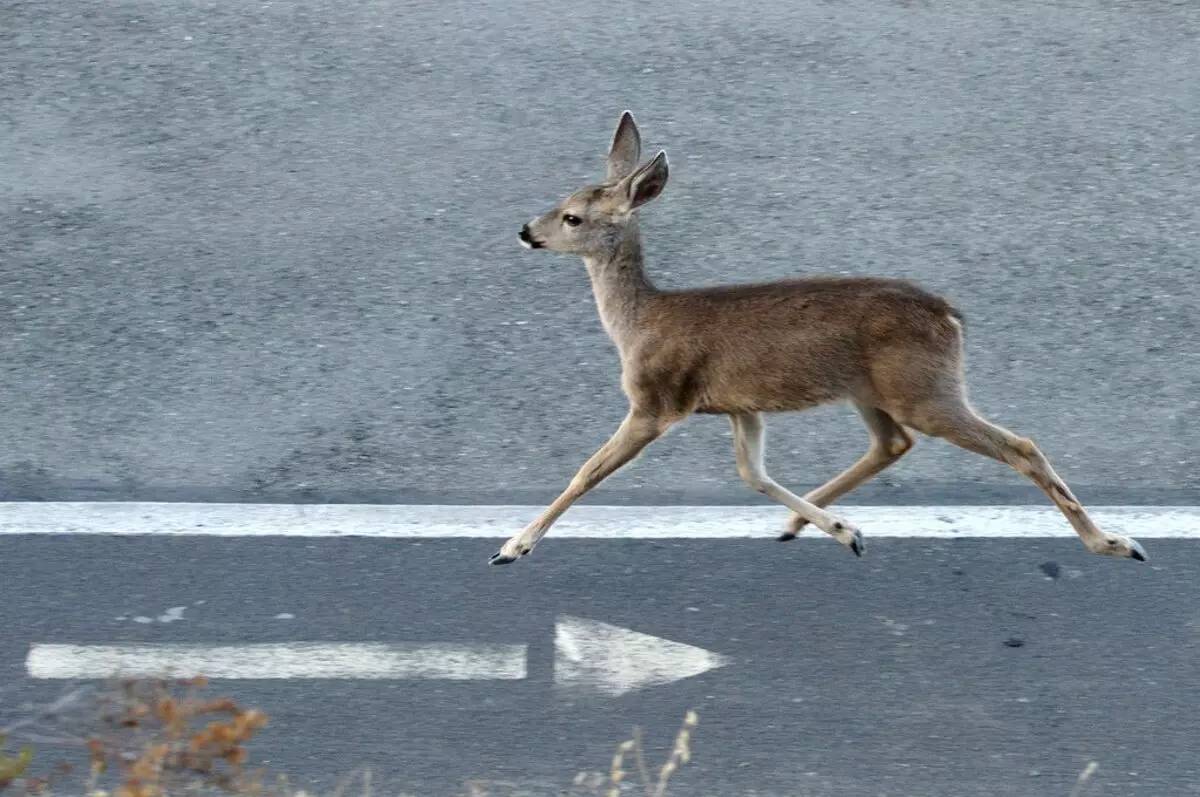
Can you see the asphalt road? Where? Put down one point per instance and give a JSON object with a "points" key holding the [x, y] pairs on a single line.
{"points": [[267, 251], [888, 675]]}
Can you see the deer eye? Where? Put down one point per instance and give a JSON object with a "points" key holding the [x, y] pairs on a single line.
{"points": [[571, 221]]}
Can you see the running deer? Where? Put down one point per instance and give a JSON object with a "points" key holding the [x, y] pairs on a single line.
{"points": [[886, 346]]}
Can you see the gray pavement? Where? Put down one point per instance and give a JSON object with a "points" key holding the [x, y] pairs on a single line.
{"points": [[267, 251], [887, 675]]}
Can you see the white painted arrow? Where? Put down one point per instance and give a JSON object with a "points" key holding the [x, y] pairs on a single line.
{"points": [[595, 656], [589, 656]]}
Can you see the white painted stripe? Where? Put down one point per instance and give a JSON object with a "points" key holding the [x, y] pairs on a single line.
{"points": [[418, 521], [289, 660]]}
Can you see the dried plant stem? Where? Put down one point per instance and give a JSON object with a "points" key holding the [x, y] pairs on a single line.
{"points": [[680, 754], [1084, 777], [640, 757], [617, 770]]}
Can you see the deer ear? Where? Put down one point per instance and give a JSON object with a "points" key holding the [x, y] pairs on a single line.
{"points": [[647, 182], [625, 151]]}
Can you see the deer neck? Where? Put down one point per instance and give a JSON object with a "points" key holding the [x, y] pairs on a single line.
{"points": [[620, 285]]}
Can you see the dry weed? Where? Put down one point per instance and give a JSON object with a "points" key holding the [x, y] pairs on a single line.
{"points": [[611, 785], [154, 738], [1084, 777], [143, 738]]}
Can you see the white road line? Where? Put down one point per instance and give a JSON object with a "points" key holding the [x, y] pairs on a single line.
{"points": [[418, 521], [288, 660]]}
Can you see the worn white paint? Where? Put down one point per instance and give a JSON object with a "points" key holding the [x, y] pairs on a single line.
{"points": [[286, 660], [592, 656], [585, 521], [589, 656]]}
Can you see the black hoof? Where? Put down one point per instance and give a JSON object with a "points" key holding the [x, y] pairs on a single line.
{"points": [[501, 559], [787, 535]]}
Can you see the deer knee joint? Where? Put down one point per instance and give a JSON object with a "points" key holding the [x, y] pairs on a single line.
{"points": [[756, 482], [1026, 446], [893, 447], [901, 444], [758, 486]]}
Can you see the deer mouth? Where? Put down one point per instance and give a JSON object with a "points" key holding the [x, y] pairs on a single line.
{"points": [[527, 240]]}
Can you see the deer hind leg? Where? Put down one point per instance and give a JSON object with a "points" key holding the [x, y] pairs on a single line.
{"points": [[638, 430], [954, 421], [889, 442], [749, 435]]}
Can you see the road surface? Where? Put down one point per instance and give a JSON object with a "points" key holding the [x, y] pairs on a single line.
{"points": [[267, 252], [933, 666]]}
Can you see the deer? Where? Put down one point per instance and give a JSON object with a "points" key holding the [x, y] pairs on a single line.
{"points": [[886, 346]]}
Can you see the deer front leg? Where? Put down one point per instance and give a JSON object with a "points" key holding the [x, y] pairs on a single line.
{"points": [[637, 431], [889, 442], [749, 434]]}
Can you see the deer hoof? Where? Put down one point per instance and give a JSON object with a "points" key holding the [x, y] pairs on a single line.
{"points": [[795, 525], [511, 551], [856, 543], [1119, 547]]}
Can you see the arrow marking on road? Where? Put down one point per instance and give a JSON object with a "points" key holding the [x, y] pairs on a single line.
{"points": [[595, 656], [589, 656]]}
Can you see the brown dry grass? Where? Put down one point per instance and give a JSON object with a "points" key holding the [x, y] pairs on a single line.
{"points": [[155, 738], [158, 737], [141, 738]]}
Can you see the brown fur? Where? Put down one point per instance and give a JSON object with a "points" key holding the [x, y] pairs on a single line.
{"points": [[891, 349], [789, 345]]}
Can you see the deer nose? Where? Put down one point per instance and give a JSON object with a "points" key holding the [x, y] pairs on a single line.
{"points": [[527, 238]]}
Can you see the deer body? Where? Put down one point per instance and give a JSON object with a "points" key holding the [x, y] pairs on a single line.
{"points": [[785, 346], [888, 347]]}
